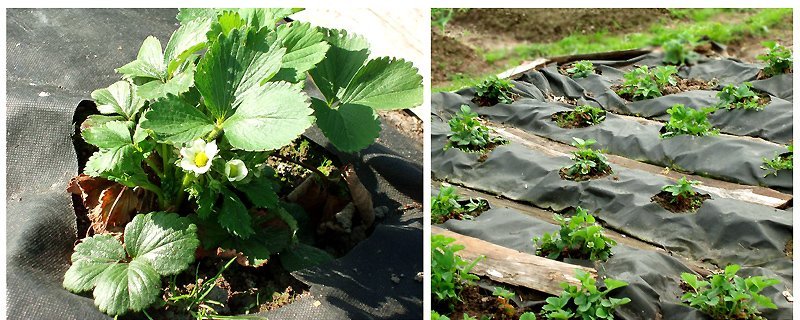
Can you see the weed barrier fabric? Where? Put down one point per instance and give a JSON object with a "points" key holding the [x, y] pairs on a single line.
{"points": [[722, 231], [637, 139], [653, 277], [56, 57]]}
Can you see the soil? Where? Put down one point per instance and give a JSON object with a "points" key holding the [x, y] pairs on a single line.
{"points": [[594, 174], [761, 75], [486, 102], [476, 302], [682, 204], [789, 248], [580, 120], [405, 122], [452, 57]]}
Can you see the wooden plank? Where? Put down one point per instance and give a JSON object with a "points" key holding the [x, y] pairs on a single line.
{"points": [[513, 267], [515, 72]]}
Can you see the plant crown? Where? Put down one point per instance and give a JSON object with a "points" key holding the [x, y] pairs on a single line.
{"points": [[586, 160], [682, 189], [448, 271], [445, 205]]}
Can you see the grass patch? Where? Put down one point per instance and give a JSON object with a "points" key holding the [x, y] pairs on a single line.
{"points": [[717, 24]]}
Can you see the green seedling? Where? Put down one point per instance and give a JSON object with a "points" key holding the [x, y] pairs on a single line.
{"points": [[193, 125], [586, 301], [581, 69], [587, 163], [582, 116], [445, 206], [688, 121], [449, 273], [743, 96], [647, 83], [779, 162], [580, 237], [469, 134], [727, 296], [681, 197], [680, 50], [494, 90], [778, 59]]}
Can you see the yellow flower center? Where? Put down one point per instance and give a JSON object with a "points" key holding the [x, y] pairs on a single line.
{"points": [[200, 159]]}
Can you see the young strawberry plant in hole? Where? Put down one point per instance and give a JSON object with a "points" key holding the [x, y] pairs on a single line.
{"points": [[448, 205], [469, 134], [493, 91], [580, 237], [504, 297], [586, 301], [779, 162], [449, 273], [778, 59], [680, 197], [680, 50], [646, 83], [583, 116], [588, 163], [742, 96], [580, 69], [727, 295], [198, 129], [688, 121]]}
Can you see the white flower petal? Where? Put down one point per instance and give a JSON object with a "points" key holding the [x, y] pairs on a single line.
{"points": [[211, 149], [187, 164]]}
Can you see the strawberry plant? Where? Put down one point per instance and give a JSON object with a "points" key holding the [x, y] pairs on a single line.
{"points": [[447, 205], [493, 91], [588, 163], [469, 134], [504, 297], [448, 271], [580, 69], [779, 162], [743, 96], [190, 129], [778, 59], [580, 237], [585, 302], [728, 296], [680, 50], [688, 121], [580, 117], [647, 83], [680, 197]]}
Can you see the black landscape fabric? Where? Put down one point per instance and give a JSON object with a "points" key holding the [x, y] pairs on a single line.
{"points": [[56, 57]]}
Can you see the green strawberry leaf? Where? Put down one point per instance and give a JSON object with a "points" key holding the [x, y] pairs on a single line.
{"points": [[127, 286], [166, 241], [268, 118], [235, 64], [91, 258], [350, 127], [234, 217], [387, 84], [120, 98], [188, 39], [260, 192], [224, 24], [177, 85], [112, 134], [123, 165], [304, 49], [256, 17], [174, 121], [149, 62], [346, 55]]}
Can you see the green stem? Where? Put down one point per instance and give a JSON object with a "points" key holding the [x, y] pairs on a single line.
{"points": [[188, 178], [155, 167], [217, 130]]}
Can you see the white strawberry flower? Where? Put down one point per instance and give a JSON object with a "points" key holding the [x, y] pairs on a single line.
{"points": [[235, 170], [198, 156]]}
